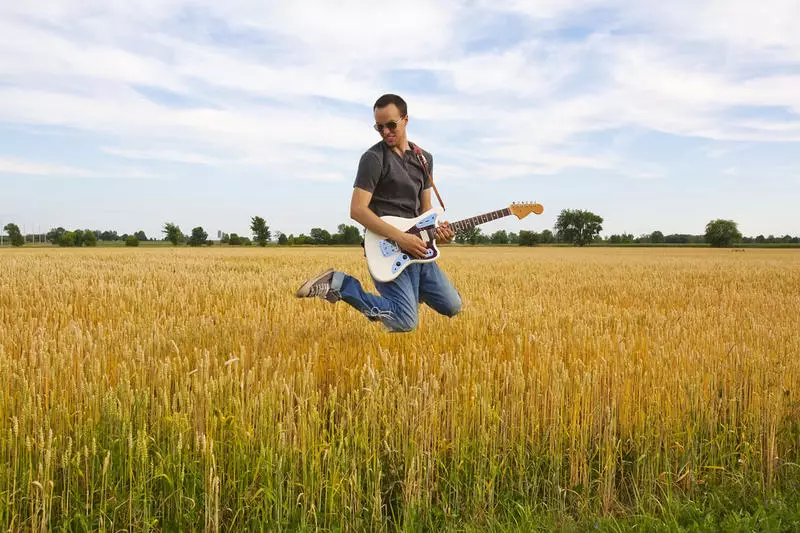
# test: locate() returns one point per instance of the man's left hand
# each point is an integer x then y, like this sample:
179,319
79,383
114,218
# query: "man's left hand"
444,234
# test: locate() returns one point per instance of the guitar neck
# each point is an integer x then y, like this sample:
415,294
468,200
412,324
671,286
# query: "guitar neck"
468,223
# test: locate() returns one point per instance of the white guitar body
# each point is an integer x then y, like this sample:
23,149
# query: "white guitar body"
385,260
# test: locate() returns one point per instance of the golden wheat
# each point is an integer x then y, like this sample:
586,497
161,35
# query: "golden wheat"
189,389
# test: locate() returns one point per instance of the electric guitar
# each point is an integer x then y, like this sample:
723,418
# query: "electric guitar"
386,260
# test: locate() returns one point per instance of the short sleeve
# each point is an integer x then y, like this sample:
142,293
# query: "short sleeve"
369,172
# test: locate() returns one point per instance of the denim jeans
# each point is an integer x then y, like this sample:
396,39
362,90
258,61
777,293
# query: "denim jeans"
397,305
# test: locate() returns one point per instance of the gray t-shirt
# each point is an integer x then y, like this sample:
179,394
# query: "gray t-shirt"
396,183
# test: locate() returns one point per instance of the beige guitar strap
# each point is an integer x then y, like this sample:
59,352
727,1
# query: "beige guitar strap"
421,158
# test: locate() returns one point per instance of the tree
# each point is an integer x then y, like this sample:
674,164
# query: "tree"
320,236
675,238
54,235
578,227
349,234
468,235
282,240
14,234
500,237
260,230
301,239
140,236
199,237
234,240
89,238
67,239
173,233
721,233
108,236
132,240
657,237
528,238
546,237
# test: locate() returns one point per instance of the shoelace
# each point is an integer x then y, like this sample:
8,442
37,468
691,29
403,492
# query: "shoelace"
320,290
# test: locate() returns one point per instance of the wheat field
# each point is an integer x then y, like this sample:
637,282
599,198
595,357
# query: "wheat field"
188,389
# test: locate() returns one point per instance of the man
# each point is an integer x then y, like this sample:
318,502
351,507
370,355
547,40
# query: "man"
391,181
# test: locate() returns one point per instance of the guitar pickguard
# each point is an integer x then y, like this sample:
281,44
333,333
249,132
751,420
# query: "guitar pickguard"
388,248
402,260
430,220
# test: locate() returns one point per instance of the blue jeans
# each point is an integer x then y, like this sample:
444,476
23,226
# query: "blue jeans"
397,305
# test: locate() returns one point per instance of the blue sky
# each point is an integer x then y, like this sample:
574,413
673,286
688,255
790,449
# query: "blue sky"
656,117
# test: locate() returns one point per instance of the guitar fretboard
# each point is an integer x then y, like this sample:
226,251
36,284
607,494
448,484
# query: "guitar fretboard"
480,219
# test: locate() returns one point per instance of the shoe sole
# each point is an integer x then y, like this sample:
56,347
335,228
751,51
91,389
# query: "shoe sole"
302,292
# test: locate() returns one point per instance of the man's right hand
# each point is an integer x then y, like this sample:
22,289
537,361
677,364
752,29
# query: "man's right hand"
412,245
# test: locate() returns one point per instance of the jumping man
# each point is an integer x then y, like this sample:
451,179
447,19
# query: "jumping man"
391,181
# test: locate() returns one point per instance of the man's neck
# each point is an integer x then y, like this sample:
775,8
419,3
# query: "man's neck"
401,147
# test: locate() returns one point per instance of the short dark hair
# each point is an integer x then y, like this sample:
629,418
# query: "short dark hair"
387,99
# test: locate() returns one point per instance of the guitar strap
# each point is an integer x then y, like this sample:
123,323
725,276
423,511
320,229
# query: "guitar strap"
424,163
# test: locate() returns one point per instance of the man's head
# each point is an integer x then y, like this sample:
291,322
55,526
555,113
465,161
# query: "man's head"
391,118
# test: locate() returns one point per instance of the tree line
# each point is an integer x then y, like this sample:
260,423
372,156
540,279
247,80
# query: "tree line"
261,235
573,226
62,237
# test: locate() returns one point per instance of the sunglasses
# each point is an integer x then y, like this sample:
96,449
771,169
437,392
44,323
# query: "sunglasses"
392,125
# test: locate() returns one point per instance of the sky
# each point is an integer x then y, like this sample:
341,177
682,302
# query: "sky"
118,115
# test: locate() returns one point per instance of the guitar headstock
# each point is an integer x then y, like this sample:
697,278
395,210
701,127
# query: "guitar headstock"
521,210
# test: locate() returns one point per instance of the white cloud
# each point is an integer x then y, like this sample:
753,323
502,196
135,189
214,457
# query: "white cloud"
17,167
164,155
28,168
242,80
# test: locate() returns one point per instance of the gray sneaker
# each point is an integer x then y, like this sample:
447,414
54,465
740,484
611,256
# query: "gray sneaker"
319,286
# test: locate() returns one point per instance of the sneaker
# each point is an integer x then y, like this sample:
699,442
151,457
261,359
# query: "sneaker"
319,286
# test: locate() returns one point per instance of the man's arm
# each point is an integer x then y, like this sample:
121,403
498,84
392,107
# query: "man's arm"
361,213
425,200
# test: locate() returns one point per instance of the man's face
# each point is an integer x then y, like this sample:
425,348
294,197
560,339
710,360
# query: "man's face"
384,117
